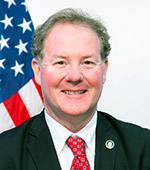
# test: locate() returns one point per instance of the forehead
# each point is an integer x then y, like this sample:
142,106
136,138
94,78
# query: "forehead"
69,29
61,25
71,35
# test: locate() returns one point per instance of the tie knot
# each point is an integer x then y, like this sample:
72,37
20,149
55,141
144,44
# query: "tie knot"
77,146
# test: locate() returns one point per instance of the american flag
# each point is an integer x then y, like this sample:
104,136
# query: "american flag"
20,96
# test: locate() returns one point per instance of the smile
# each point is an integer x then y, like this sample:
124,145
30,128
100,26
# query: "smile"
74,92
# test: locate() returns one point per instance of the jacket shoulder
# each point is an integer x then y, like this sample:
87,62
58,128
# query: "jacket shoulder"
126,129
13,138
132,142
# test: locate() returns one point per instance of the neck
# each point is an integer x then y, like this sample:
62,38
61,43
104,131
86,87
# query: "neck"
76,123
73,123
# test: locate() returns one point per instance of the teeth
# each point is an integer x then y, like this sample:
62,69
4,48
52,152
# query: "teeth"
74,92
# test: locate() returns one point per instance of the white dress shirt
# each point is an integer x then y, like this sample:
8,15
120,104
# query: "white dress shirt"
60,134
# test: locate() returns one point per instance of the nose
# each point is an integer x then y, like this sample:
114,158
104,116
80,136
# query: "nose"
74,74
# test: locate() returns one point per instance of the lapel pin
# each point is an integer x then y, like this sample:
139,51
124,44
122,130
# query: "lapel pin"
110,144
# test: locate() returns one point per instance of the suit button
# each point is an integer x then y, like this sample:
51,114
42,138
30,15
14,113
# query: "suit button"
110,144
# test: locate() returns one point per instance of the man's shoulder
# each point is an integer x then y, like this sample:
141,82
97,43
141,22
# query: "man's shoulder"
14,142
132,141
124,129
19,131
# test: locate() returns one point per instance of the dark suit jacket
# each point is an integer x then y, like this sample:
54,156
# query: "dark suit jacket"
30,146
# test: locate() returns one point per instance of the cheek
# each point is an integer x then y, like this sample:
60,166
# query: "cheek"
50,79
95,79
47,79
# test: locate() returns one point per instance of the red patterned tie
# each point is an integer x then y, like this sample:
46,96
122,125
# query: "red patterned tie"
77,146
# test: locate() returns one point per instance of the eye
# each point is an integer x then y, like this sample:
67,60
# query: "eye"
87,62
60,62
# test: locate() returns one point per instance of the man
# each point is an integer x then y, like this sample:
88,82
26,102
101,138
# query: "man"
70,64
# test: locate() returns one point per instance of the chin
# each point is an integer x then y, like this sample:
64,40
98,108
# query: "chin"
76,111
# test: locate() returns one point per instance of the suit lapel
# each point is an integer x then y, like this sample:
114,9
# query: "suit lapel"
106,145
41,146
43,152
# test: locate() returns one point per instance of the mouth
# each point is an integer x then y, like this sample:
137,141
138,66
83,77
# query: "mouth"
74,92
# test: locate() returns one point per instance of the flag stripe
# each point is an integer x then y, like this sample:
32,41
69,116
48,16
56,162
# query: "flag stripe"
6,122
34,105
38,87
20,94
17,110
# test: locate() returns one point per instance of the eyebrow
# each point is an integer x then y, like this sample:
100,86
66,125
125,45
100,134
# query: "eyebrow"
89,56
66,57
59,56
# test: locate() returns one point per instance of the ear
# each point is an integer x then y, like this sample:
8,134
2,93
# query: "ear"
105,67
36,70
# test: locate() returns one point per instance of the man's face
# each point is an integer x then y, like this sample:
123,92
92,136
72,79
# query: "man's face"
71,73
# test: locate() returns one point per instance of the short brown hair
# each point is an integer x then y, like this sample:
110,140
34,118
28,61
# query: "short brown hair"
73,16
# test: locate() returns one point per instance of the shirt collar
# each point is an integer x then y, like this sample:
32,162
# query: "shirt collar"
89,129
60,133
